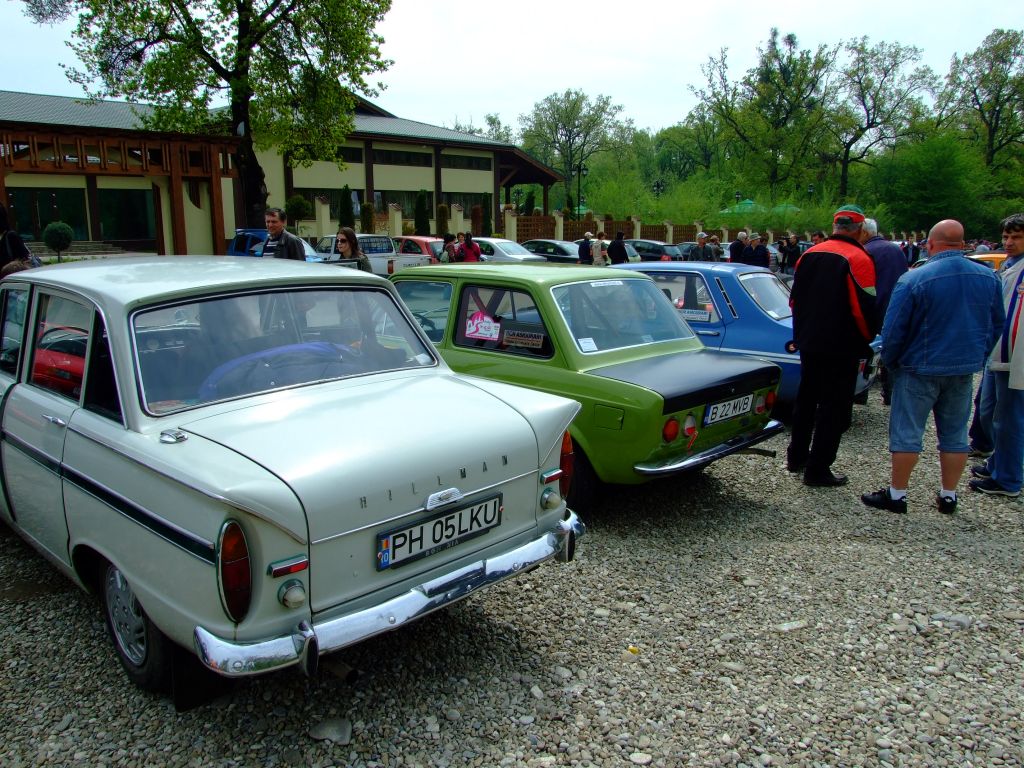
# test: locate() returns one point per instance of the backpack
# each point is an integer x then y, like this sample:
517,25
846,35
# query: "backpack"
584,251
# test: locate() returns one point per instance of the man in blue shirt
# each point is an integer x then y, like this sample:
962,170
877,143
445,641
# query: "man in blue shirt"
942,322
890,263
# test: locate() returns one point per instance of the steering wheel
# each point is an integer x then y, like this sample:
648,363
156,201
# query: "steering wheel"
279,367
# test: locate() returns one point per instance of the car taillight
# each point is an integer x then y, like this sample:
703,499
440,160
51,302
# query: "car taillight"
566,463
670,431
233,571
690,426
666,257
769,400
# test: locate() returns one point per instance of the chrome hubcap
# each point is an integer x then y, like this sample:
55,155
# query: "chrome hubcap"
126,617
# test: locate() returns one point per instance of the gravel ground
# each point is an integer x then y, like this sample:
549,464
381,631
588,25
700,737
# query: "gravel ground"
735,618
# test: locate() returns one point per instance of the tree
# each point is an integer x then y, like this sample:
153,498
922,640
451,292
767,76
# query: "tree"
495,129
775,115
58,237
442,220
367,222
287,68
878,101
986,90
297,208
421,216
346,216
565,130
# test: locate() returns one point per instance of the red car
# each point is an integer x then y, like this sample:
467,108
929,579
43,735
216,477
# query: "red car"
59,362
431,246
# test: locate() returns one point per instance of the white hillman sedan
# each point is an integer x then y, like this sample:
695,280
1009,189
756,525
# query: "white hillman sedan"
262,460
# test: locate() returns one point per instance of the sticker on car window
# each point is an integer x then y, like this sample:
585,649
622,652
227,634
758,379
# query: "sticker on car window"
480,326
604,283
526,339
588,345
701,315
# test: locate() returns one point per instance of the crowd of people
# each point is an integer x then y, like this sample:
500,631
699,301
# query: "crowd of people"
940,326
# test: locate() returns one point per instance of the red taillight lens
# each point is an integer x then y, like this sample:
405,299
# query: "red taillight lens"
666,257
566,464
234,571
670,431
769,400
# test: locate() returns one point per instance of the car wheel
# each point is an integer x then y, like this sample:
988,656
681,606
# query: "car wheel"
585,482
143,650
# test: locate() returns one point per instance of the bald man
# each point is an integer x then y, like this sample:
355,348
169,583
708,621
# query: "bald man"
942,322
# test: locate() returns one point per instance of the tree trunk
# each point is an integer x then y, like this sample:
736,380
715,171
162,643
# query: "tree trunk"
250,172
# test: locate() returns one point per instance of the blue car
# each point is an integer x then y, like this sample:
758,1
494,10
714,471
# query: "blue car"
741,309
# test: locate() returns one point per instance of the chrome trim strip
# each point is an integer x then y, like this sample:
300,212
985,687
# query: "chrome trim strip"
771,357
418,510
734,445
302,645
194,545
191,486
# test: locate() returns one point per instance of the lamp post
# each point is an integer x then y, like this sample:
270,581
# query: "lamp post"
738,197
810,190
581,171
658,187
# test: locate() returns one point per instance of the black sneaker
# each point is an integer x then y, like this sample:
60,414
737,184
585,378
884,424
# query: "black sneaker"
992,488
881,499
978,453
946,504
827,480
980,470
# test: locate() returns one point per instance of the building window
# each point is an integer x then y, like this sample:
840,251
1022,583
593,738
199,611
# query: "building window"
466,199
404,199
466,162
334,198
352,154
401,157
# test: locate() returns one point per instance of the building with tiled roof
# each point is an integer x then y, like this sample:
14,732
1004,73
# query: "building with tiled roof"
92,164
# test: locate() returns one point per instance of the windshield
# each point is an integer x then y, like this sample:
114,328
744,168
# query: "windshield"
618,313
512,248
244,344
769,293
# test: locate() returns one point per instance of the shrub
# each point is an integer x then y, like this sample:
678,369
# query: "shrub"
58,236
366,214
297,208
442,220
421,218
346,216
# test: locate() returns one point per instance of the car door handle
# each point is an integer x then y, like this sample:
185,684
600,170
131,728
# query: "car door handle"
708,333
55,420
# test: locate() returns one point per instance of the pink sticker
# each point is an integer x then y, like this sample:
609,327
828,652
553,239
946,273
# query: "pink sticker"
480,326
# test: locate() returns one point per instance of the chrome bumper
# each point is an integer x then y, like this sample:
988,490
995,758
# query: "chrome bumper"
305,643
735,445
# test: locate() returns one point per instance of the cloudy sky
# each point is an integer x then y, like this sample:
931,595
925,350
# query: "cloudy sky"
460,61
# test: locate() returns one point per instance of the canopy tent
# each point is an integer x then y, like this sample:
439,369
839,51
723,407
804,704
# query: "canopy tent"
744,206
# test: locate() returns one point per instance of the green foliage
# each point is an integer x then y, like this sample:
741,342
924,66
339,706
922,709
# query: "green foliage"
421,216
530,202
938,178
442,220
297,208
366,217
287,70
58,236
346,215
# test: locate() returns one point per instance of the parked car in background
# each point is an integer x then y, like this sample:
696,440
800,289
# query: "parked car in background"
993,259
380,250
656,250
499,249
741,310
655,401
420,245
225,457
245,240
558,251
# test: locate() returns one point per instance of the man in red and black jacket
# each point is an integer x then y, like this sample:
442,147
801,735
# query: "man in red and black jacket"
834,322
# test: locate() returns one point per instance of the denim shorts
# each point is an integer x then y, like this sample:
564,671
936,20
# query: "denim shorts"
914,396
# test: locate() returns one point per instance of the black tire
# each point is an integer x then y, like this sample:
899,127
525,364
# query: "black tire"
144,651
585,482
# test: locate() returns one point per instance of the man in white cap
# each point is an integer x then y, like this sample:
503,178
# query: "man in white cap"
736,247
586,257
702,251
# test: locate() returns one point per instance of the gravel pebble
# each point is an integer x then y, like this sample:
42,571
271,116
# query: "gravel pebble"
774,624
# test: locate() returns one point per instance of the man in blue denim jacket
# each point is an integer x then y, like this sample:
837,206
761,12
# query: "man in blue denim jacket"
942,322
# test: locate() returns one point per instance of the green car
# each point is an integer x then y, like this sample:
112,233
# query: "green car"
655,401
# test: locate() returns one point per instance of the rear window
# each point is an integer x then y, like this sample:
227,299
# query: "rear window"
673,251
769,293
618,313
376,244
